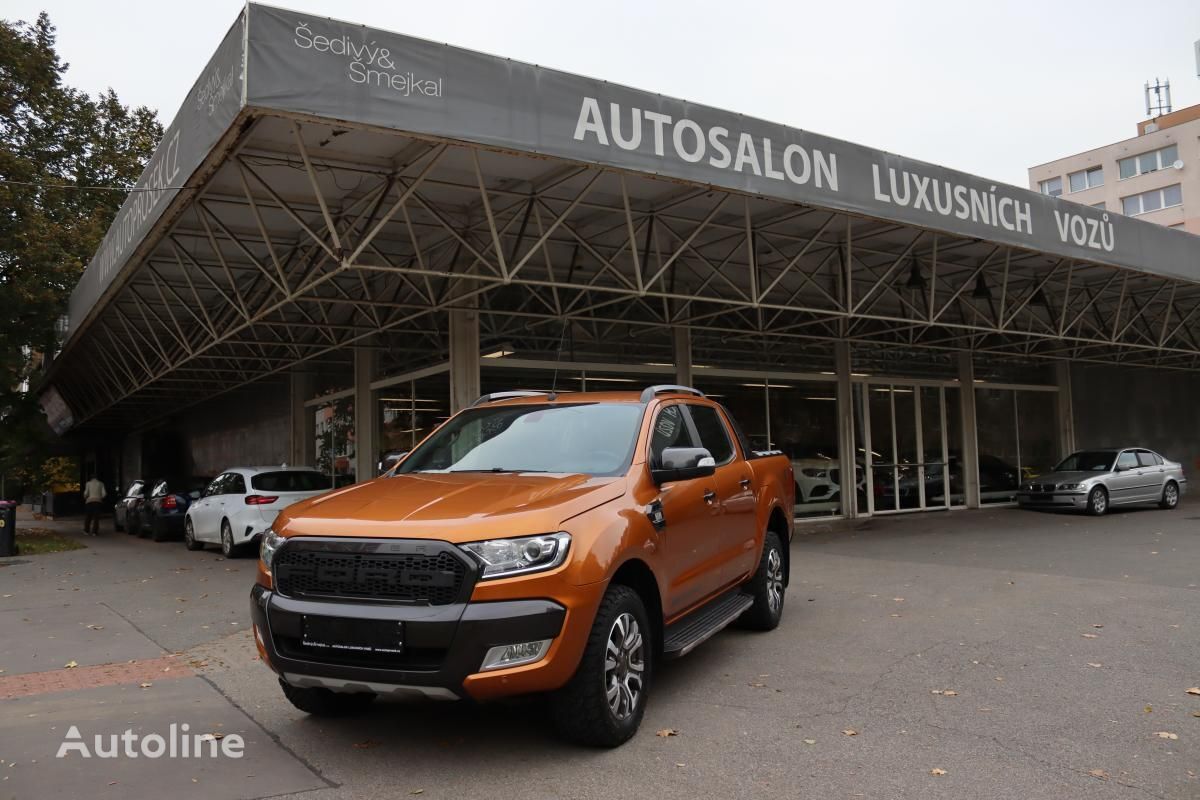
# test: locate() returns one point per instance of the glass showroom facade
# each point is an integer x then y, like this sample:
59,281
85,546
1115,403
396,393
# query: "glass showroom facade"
907,432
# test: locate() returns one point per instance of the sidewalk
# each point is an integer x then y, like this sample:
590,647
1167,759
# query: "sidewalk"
96,638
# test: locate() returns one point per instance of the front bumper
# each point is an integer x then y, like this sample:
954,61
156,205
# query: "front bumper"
1052,499
444,646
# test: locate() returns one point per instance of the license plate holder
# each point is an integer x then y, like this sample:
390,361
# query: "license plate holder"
353,635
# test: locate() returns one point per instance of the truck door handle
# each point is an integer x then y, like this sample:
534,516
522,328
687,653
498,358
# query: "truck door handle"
745,483
709,496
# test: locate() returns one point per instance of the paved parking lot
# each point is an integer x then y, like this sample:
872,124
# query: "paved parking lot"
1025,654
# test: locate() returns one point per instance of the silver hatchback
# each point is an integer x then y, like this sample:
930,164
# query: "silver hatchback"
1094,480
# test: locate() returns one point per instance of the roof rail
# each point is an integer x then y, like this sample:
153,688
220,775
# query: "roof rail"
488,398
650,392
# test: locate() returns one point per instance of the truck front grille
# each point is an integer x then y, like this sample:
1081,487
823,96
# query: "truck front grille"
429,578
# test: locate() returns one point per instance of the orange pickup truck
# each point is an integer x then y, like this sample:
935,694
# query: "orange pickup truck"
534,543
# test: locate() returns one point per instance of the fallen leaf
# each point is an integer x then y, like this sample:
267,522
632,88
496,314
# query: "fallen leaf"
680,764
1193,690
668,732
1094,664
810,741
850,732
898,599
1149,709
1096,625
363,745
70,665
1090,635
937,771
1166,735
1196,713
950,693
1099,773
756,685
95,627
417,791
145,685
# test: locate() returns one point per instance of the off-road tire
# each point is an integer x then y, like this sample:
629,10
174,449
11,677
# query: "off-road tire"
767,587
325,703
580,710
189,537
1170,496
1097,501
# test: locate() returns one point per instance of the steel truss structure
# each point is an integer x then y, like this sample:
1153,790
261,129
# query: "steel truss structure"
311,237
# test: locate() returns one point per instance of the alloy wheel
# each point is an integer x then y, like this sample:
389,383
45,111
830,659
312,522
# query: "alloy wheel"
774,580
1171,495
624,666
1099,502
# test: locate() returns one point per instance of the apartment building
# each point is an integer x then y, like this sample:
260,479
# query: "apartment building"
1154,176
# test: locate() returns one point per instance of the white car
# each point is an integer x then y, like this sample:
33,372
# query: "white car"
240,504
819,479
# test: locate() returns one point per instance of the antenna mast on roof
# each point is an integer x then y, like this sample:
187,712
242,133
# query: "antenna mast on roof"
1162,98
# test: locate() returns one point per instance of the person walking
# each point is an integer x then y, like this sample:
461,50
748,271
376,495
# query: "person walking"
93,499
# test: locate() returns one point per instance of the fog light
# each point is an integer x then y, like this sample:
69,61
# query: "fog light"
512,655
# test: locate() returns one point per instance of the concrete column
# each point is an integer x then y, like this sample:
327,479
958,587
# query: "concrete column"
846,443
970,448
682,337
303,448
366,425
1065,409
464,359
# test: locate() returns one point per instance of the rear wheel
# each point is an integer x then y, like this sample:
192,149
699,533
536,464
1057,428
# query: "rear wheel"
604,702
1170,496
766,587
229,548
189,536
325,703
1097,501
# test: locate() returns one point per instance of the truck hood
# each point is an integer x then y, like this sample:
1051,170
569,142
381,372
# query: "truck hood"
457,508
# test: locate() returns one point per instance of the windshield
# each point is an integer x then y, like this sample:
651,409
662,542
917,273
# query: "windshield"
587,438
1088,461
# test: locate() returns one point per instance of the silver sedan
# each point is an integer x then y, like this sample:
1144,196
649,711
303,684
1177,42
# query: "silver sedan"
1095,480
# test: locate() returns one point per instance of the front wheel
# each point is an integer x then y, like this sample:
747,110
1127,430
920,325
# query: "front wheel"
1170,496
604,702
189,536
1097,501
766,587
325,703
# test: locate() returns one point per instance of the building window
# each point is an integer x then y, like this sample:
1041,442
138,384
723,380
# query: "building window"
1148,162
1101,205
1052,187
1086,179
1153,200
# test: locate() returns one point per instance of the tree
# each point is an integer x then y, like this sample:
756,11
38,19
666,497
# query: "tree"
51,135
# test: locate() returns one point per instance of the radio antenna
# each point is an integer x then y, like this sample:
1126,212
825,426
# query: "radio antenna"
557,358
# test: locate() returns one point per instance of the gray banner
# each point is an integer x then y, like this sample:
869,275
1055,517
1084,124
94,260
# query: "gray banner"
210,107
299,62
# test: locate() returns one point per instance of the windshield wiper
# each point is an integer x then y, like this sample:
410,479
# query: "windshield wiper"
499,470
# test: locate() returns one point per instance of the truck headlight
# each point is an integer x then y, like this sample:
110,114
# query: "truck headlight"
501,558
271,542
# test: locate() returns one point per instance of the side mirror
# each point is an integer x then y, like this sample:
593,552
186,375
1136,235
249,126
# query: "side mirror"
389,460
194,494
683,464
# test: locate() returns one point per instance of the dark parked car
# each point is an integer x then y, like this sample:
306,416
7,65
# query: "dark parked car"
160,515
131,496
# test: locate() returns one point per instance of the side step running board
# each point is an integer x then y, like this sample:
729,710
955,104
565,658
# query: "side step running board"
681,637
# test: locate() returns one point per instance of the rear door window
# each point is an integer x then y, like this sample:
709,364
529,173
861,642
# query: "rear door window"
670,430
290,481
234,484
1148,459
714,435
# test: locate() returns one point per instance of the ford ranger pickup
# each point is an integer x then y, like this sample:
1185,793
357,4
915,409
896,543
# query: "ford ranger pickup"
535,543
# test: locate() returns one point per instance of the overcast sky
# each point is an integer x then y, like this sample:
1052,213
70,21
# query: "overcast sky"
990,88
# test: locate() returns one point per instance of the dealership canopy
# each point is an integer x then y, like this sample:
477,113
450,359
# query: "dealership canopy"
325,183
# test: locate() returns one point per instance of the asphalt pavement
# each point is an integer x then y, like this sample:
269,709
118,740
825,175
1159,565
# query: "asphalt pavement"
995,653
